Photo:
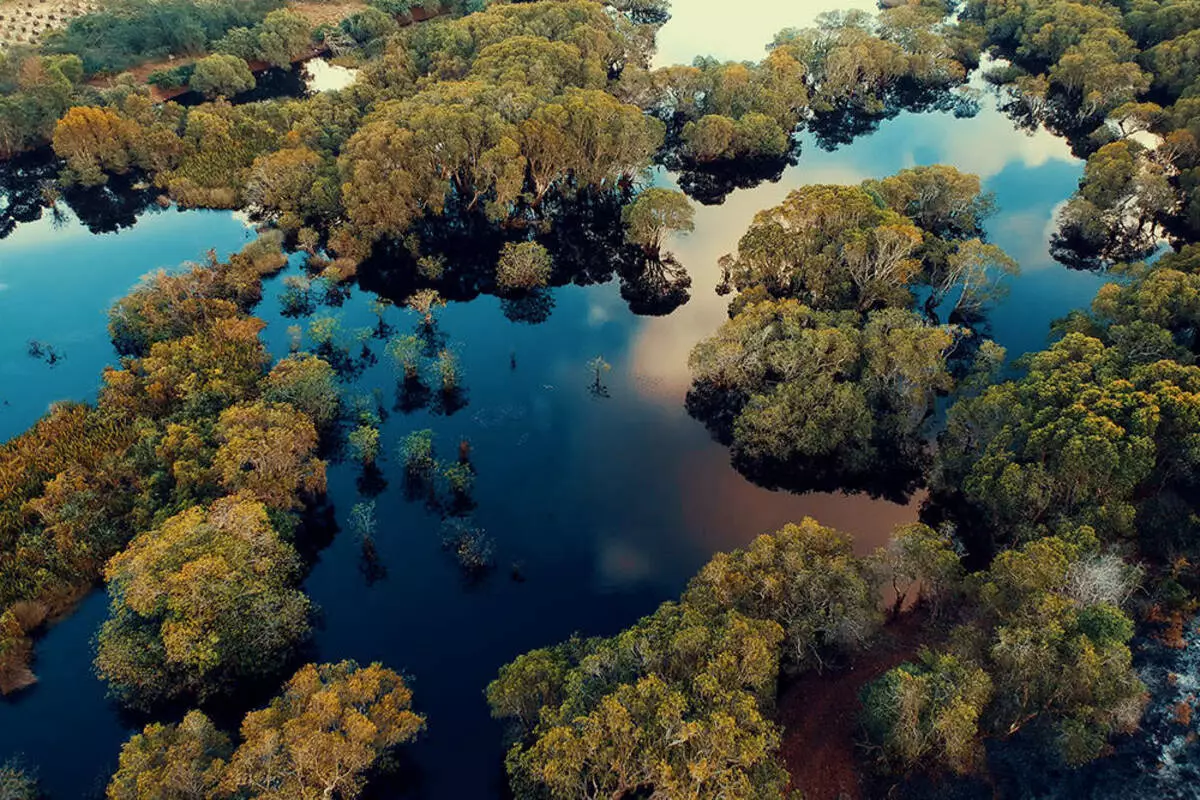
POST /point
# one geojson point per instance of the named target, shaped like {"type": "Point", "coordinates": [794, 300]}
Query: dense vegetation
{"type": "Point", "coordinates": [322, 737]}
{"type": "Point", "coordinates": [1083, 462]}
{"type": "Point", "coordinates": [1042, 642]}
{"type": "Point", "coordinates": [187, 442]}
{"type": "Point", "coordinates": [125, 32]}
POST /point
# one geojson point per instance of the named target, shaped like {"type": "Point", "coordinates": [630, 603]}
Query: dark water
{"type": "Point", "coordinates": [57, 281]}
{"type": "Point", "coordinates": [607, 505]}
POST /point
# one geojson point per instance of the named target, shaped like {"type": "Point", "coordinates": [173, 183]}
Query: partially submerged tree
{"type": "Point", "coordinates": [207, 599]}
{"type": "Point", "coordinates": [653, 214]}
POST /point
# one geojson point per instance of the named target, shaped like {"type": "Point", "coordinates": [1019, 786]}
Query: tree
{"type": "Point", "coordinates": [677, 706]}
{"type": "Point", "coordinates": [1070, 443]}
{"type": "Point", "coordinates": [294, 183]}
{"type": "Point", "coordinates": [831, 247]}
{"type": "Point", "coordinates": [806, 578]}
{"type": "Point", "coordinates": [928, 711]}
{"type": "Point", "coordinates": [709, 138]}
{"type": "Point", "coordinates": [364, 443]}
{"type": "Point", "coordinates": [268, 450]}
{"type": "Point", "coordinates": [1174, 63]}
{"type": "Point", "coordinates": [811, 396]}
{"type": "Point", "coordinates": [16, 783]}
{"type": "Point", "coordinates": [654, 213]}
{"type": "Point", "coordinates": [206, 599]}
{"type": "Point", "coordinates": [976, 271]}
{"type": "Point", "coordinates": [608, 717]}
{"type": "Point", "coordinates": [283, 36]}
{"type": "Point", "coordinates": [589, 138]}
{"type": "Point", "coordinates": [331, 725]}
{"type": "Point", "coordinates": [1099, 72]}
{"type": "Point", "coordinates": [937, 198]}
{"type": "Point", "coordinates": [917, 556]}
{"type": "Point", "coordinates": [1165, 294]}
{"type": "Point", "coordinates": [369, 25]}
{"type": "Point", "coordinates": [94, 141]}
{"type": "Point", "coordinates": [532, 681]}
{"type": "Point", "coordinates": [1055, 655]}
{"type": "Point", "coordinates": [222, 75]}
{"type": "Point", "coordinates": [1045, 646]}
{"type": "Point", "coordinates": [425, 302]}
{"type": "Point", "coordinates": [523, 266]}
{"type": "Point", "coordinates": [538, 64]}
{"type": "Point", "coordinates": [382, 194]}
{"type": "Point", "coordinates": [1121, 198]}
{"type": "Point", "coordinates": [198, 374]}
{"type": "Point", "coordinates": [172, 762]}
{"type": "Point", "coordinates": [307, 383]}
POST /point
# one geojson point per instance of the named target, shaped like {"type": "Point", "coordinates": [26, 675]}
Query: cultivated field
{"type": "Point", "coordinates": [24, 21]}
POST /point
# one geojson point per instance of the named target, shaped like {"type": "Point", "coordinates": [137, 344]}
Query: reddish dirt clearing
{"type": "Point", "coordinates": [819, 716]}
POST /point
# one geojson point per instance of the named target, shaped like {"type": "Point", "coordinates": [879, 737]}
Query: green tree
{"type": "Point", "coordinates": [831, 247]}
{"type": "Point", "coordinates": [937, 198]}
{"type": "Point", "coordinates": [307, 383]}
{"type": "Point", "coordinates": [919, 558]}
{"type": "Point", "coordinates": [928, 711]}
{"type": "Point", "coordinates": [792, 386]}
{"type": "Point", "coordinates": [523, 266]}
{"type": "Point", "coordinates": [806, 578]}
{"type": "Point", "coordinates": [653, 214]}
{"type": "Point", "coordinates": [283, 36]}
{"type": "Point", "coordinates": [1072, 442]}
{"type": "Point", "coordinates": [222, 75]}
{"type": "Point", "coordinates": [612, 711]}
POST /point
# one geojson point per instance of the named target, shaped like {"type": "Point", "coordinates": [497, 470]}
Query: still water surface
{"type": "Point", "coordinates": [607, 505]}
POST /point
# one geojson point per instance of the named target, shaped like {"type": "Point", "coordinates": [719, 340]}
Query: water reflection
{"type": "Point", "coordinates": [57, 281]}
{"type": "Point", "coordinates": [736, 32]}
{"type": "Point", "coordinates": [321, 76]}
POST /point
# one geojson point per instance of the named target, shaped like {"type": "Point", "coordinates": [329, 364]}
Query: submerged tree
{"type": "Point", "coordinates": [425, 302]}
{"type": "Point", "coordinates": [523, 266]}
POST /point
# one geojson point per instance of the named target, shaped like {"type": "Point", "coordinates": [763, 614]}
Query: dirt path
{"type": "Point", "coordinates": [819, 717]}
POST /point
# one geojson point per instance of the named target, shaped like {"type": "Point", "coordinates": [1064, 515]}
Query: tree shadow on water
{"type": "Point", "coordinates": [583, 233]}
